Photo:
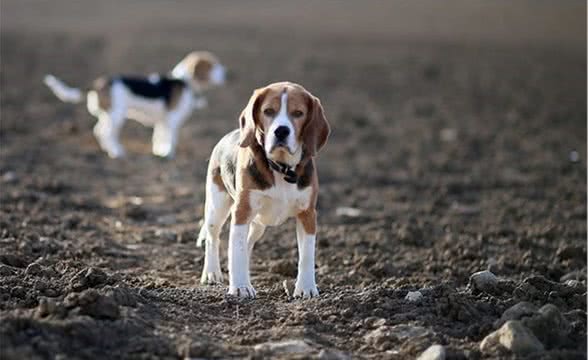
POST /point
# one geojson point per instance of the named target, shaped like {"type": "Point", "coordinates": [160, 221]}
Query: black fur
{"type": "Point", "coordinates": [305, 178]}
{"type": "Point", "coordinates": [257, 176]}
{"type": "Point", "coordinates": [160, 87]}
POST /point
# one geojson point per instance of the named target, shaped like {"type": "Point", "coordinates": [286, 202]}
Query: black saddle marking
{"type": "Point", "coordinates": [160, 87]}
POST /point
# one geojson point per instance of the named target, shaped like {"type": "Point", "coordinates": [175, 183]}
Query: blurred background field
{"type": "Point", "coordinates": [459, 135]}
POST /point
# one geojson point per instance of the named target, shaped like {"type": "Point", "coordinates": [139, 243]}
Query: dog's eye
{"type": "Point", "coordinates": [297, 113]}
{"type": "Point", "coordinates": [269, 112]}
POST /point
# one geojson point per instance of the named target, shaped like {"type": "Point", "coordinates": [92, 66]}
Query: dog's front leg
{"type": "Point", "coordinates": [306, 238]}
{"type": "Point", "coordinates": [239, 282]}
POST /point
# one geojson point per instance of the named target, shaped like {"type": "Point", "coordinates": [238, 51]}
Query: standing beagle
{"type": "Point", "coordinates": [263, 174]}
{"type": "Point", "coordinates": [159, 101]}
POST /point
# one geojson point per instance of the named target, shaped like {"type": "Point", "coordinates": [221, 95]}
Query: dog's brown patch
{"type": "Point", "coordinates": [102, 88]}
{"type": "Point", "coordinates": [242, 209]}
{"type": "Point", "coordinates": [217, 179]}
{"type": "Point", "coordinates": [175, 95]}
{"type": "Point", "coordinates": [308, 220]}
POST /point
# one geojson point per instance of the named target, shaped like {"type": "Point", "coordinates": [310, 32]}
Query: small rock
{"type": "Point", "coordinates": [98, 306]}
{"type": "Point", "coordinates": [34, 269]}
{"type": "Point", "coordinates": [167, 219]}
{"type": "Point", "coordinates": [166, 235]}
{"type": "Point", "coordinates": [414, 296]}
{"type": "Point", "coordinates": [433, 352]}
{"type": "Point", "coordinates": [484, 281]}
{"type": "Point", "coordinates": [448, 135]}
{"type": "Point", "coordinates": [89, 277]}
{"type": "Point", "coordinates": [512, 336]}
{"type": "Point", "coordinates": [579, 275]}
{"type": "Point", "coordinates": [574, 156]}
{"type": "Point", "coordinates": [348, 211]}
{"type": "Point", "coordinates": [9, 177]}
{"type": "Point", "coordinates": [46, 307]}
{"type": "Point", "coordinates": [289, 287]}
{"type": "Point", "coordinates": [283, 347]}
{"type": "Point", "coordinates": [383, 337]}
{"type": "Point", "coordinates": [516, 312]}
{"type": "Point", "coordinates": [331, 354]}
{"type": "Point", "coordinates": [549, 326]}
{"type": "Point", "coordinates": [570, 252]}
{"type": "Point", "coordinates": [6, 270]}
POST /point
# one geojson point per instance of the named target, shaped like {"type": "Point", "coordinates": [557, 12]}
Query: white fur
{"type": "Point", "coordinates": [305, 281]}
{"type": "Point", "coordinates": [239, 282]}
{"type": "Point", "coordinates": [217, 74]}
{"type": "Point", "coordinates": [282, 119]}
{"type": "Point", "coordinates": [270, 207]}
{"type": "Point", "coordinates": [149, 112]}
{"type": "Point", "coordinates": [63, 92]}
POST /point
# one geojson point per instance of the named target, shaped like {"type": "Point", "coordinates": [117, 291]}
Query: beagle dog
{"type": "Point", "coordinates": [163, 102]}
{"type": "Point", "coordinates": [262, 174]}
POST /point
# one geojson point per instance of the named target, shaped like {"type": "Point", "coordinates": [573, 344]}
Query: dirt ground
{"type": "Point", "coordinates": [459, 132]}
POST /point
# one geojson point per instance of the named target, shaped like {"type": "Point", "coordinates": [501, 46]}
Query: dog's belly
{"type": "Point", "coordinates": [146, 111]}
{"type": "Point", "coordinates": [278, 205]}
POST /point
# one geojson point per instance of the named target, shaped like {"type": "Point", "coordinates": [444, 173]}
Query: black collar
{"type": "Point", "coordinates": [290, 174]}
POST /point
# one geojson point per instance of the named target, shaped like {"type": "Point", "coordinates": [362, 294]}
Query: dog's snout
{"type": "Point", "coordinates": [282, 132]}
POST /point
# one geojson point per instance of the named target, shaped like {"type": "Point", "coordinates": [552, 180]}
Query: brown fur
{"type": "Point", "coordinates": [102, 88]}
{"type": "Point", "coordinates": [217, 179]}
{"type": "Point", "coordinates": [175, 95]}
{"type": "Point", "coordinates": [312, 131]}
{"type": "Point", "coordinates": [308, 217]}
{"type": "Point", "coordinates": [200, 63]}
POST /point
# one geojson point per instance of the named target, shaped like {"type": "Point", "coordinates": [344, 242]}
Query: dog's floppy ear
{"type": "Point", "coordinates": [248, 120]}
{"type": "Point", "coordinates": [316, 129]}
{"type": "Point", "coordinates": [195, 65]}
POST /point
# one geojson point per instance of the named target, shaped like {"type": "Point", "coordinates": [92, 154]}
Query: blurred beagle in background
{"type": "Point", "coordinates": [262, 174]}
{"type": "Point", "coordinates": [163, 102]}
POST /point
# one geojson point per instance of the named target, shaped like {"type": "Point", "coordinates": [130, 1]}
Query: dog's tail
{"type": "Point", "coordinates": [64, 92]}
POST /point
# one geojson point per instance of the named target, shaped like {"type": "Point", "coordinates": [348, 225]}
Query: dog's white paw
{"type": "Point", "coordinates": [116, 152]}
{"type": "Point", "coordinates": [305, 291]}
{"type": "Point", "coordinates": [210, 278]}
{"type": "Point", "coordinates": [242, 291]}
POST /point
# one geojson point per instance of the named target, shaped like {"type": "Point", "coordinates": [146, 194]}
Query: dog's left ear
{"type": "Point", "coordinates": [316, 130]}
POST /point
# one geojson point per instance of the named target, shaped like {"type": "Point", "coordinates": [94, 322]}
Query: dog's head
{"type": "Point", "coordinates": [286, 120]}
{"type": "Point", "coordinates": [202, 69]}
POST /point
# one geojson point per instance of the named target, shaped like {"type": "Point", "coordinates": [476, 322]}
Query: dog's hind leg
{"type": "Point", "coordinates": [255, 233]}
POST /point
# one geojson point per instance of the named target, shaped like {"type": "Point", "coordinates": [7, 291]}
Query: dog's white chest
{"type": "Point", "coordinates": [280, 202]}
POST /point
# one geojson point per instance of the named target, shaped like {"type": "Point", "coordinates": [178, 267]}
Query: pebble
{"type": "Point", "coordinates": [549, 326]}
{"type": "Point", "coordinates": [414, 296]}
{"type": "Point", "coordinates": [433, 352]}
{"type": "Point", "coordinates": [331, 354]}
{"type": "Point", "coordinates": [516, 312]}
{"type": "Point", "coordinates": [512, 336]}
{"type": "Point", "coordinates": [448, 135]}
{"type": "Point", "coordinates": [574, 275]}
{"type": "Point", "coordinates": [348, 211]}
{"type": "Point", "coordinates": [484, 281]}
{"type": "Point", "coordinates": [283, 347]}
{"type": "Point", "coordinates": [383, 336]}
{"type": "Point", "coordinates": [574, 156]}
{"type": "Point", "coordinates": [289, 286]}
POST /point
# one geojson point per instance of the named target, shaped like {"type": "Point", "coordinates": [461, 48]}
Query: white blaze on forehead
{"type": "Point", "coordinates": [281, 119]}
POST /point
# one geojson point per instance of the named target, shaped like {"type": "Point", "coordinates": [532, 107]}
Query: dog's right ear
{"type": "Point", "coordinates": [248, 121]}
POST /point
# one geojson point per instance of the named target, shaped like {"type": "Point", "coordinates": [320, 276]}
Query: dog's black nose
{"type": "Point", "coordinates": [282, 132]}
